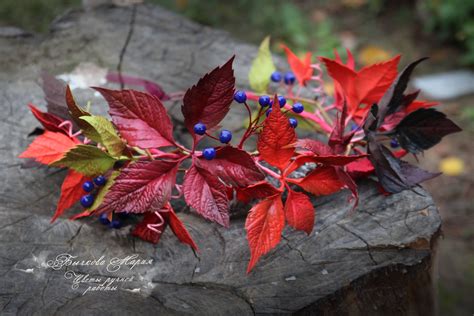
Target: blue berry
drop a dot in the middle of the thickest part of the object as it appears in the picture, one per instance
(355, 127)
(209, 153)
(268, 112)
(104, 219)
(100, 180)
(264, 100)
(225, 136)
(200, 129)
(293, 122)
(87, 200)
(88, 186)
(298, 108)
(289, 78)
(394, 143)
(281, 101)
(271, 103)
(276, 76)
(240, 96)
(115, 224)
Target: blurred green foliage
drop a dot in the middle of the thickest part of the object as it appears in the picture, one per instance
(452, 20)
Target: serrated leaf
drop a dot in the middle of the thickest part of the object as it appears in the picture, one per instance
(143, 186)
(179, 230)
(71, 192)
(234, 166)
(99, 198)
(209, 100)
(205, 193)
(86, 159)
(108, 136)
(260, 190)
(276, 138)
(264, 226)
(49, 147)
(49, 121)
(299, 211)
(76, 112)
(320, 181)
(300, 67)
(140, 118)
(262, 68)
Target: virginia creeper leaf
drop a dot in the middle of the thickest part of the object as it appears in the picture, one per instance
(141, 118)
(99, 198)
(71, 192)
(300, 67)
(76, 112)
(320, 181)
(234, 166)
(142, 231)
(49, 147)
(262, 68)
(275, 138)
(204, 192)
(179, 230)
(315, 146)
(49, 121)
(299, 211)
(264, 225)
(54, 94)
(209, 100)
(106, 131)
(260, 190)
(86, 159)
(143, 186)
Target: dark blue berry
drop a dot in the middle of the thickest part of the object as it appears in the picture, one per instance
(276, 76)
(88, 186)
(200, 129)
(87, 200)
(355, 127)
(281, 101)
(240, 96)
(293, 122)
(225, 136)
(268, 112)
(100, 180)
(264, 100)
(116, 224)
(394, 143)
(209, 153)
(289, 78)
(298, 108)
(104, 219)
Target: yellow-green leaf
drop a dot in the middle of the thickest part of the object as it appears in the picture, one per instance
(107, 133)
(103, 191)
(262, 68)
(86, 159)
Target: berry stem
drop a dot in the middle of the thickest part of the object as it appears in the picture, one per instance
(210, 136)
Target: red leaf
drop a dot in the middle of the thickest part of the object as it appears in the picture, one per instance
(142, 231)
(204, 192)
(346, 178)
(419, 104)
(320, 181)
(299, 211)
(143, 186)
(49, 121)
(71, 192)
(329, 160)
(234, 166)
(49, 147)
(209, 100)
(364, 86)
(264, 225)
(301, 68)
(259, 190)
(275, 138)
(140, 118)
(150, 86)
(359, 169)
(315, 146)
(179, 230)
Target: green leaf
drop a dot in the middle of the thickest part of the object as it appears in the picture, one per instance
(100, 196)
(262, 68)
(108, 136)
(86, 159)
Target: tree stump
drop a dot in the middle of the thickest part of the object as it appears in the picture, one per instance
(377, 261)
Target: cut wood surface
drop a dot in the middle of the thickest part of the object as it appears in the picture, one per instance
(376, 261)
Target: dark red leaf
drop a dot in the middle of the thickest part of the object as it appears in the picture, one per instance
(275, 138)
(329, 160)
(259, 190)
(209, 100)
(71, 192)
(315, 146)
(142, 186)
(204, 192)
(49, 121)
(234, 166)
(264, 225)
(179, 230)
(142, 230)
(360, 168)
(299, 211)
(140, 118)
